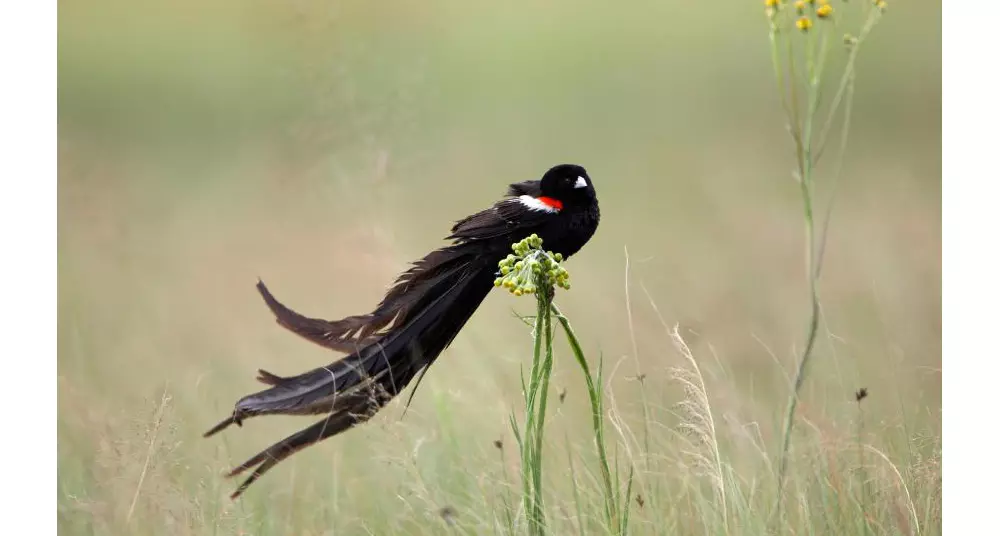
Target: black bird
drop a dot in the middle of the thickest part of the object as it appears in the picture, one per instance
(418, 317)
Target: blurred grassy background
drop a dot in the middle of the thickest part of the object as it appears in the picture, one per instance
(322, 146)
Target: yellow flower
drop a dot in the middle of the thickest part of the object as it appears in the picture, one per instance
(881, 4)
(824, 11)
(800, 6)
(804, 23)
(770, 3)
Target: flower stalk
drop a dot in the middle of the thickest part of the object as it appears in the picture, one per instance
(532, 270)
(795, 32)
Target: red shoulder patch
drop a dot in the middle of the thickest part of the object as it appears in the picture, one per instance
(551, 201)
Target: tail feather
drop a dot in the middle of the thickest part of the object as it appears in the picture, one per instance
(419, 317)
(316, 391)
(361, 401)
(331, 425)
(333, 335)
(405, 298)
(268, 378)
(222, 426)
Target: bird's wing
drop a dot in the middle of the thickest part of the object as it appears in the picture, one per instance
(532, 188)
(510, 218)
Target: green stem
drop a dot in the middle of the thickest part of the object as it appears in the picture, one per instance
(846, 81)
(530, 457)
(611, 507)
(805, 187)
(845, 129)
(805, 182)
(779, 78)
(862, 473)
(544, 374)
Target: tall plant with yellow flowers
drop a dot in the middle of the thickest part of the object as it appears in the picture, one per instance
(802, 35)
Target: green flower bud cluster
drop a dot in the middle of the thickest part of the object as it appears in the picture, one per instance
(530, 268)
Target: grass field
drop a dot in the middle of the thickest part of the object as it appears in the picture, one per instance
(322, 147)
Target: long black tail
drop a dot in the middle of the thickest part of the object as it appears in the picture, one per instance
(419, 317)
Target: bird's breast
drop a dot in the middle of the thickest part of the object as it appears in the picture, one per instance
(572, 230)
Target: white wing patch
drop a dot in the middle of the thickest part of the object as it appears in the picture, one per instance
(534, 204)
(580, 183)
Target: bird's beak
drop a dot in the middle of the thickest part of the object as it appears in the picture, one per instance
(580, 183)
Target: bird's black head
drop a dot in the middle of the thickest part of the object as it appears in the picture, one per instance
(568, 183)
